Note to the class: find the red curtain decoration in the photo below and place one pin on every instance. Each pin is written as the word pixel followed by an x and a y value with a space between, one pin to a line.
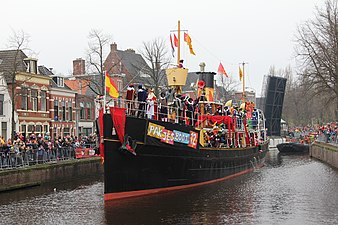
pixel 101 133
pixel 119 120
pixel 247 139
pixel 215 119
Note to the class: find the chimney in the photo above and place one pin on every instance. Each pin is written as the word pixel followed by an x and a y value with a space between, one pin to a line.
pixel 113 47
pixel 79 66
pixel 130 50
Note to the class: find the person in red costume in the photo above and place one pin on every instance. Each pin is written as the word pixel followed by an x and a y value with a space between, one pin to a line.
pixel 130 97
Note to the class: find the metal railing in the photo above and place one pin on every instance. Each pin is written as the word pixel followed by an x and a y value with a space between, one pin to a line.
pixel 10 159
pixel 326 137
pixel 171 113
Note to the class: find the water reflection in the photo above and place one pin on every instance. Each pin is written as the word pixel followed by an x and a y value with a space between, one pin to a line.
pixel 288 190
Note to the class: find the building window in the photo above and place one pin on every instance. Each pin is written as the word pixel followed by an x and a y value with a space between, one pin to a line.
pixel 31 129
pixel 43 100
pixel 66 131
pixel 55 132
pixel 60 82
pixel 23 129
pixel 56 110
pixel 24 98
pixel 4 130
pixel 64 111
pixel 38 129
pixel 1 104
pixel 34 99
pixel 87 131
pixel 82 111
pixel 88 109
pixel 70 111
pixel 67 113
pixel 45 128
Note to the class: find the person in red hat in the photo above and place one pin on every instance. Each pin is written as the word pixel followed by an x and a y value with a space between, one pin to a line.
pixel 180 65
pixel 130 97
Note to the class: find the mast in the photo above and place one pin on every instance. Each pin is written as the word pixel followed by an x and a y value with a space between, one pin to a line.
pixel 243 94
pixel 179 42
pixel 177 76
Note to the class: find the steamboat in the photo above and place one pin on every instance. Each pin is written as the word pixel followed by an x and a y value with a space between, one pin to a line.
pixel 176 148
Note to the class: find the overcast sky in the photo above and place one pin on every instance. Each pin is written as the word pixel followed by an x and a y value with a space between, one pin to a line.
pixel 259 32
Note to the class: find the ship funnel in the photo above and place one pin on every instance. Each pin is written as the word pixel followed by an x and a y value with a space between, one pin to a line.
pixel 208 87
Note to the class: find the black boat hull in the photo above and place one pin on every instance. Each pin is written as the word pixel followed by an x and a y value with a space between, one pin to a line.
pixel 293 148
pixel 162 168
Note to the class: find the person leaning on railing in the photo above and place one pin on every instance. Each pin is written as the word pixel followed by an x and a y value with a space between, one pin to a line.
pixel 141 98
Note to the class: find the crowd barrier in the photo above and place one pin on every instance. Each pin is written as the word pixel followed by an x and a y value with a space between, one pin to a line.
pixel 328 138
pixel 11 160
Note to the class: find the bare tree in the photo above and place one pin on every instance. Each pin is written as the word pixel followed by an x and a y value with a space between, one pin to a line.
pixel 226 87
pixel 317 50
pixel 17 42
pixel 155 54
pixel 96 54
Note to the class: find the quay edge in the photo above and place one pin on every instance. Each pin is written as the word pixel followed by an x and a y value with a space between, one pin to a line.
pixel 24 177
pixel 325 152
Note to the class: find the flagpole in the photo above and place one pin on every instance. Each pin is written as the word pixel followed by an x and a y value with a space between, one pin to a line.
pixel 243 63
pixel 223 88
pixel 104 93
pixel 178 43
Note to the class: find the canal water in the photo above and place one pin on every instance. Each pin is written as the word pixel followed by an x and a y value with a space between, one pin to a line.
pixel 290 189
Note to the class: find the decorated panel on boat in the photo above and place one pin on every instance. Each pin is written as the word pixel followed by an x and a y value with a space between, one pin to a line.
pixel 160 134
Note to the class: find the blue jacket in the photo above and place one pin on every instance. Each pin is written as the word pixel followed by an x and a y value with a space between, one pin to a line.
pixel 141 95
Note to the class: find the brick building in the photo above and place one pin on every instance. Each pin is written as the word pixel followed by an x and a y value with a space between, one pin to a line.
pixel 41 100
pixel 126 66
pixel 84 98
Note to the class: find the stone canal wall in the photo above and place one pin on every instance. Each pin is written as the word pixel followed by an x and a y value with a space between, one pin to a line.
pixel 325 152
pixel 51 172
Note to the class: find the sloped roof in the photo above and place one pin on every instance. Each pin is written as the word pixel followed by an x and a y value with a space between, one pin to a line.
pixel 54 85
pixel 80 86
pixel 45 71
pixel 9 59
pixel 93 88
pixel 132 61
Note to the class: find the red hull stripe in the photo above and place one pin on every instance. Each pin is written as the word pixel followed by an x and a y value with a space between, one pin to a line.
pixel 129 194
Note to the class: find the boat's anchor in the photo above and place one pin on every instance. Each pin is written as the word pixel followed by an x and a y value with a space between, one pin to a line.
pixel 128 145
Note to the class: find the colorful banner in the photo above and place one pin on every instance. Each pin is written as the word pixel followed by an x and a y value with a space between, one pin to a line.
pixel 170 137
pixel 181 137
pixel 167 136
pixel 193 140
pixel 155 130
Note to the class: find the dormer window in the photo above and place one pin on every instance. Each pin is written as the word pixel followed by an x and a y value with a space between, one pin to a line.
pixel 59 81
pixel 31 65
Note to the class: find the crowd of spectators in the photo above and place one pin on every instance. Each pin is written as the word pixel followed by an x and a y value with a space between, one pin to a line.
pixel 323 133
pixel 37 148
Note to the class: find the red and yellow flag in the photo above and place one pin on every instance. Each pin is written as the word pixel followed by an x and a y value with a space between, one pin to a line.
pixel 188 40
pixel 240 74
pixel 175 40
pixel 111 87
pixel 222 70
